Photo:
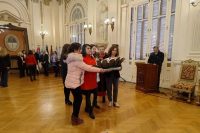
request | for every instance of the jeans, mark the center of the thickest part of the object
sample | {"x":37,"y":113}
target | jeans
{"x":112,"y":88}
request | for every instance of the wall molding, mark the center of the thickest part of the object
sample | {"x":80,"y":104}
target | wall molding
{"x":19,"y":8}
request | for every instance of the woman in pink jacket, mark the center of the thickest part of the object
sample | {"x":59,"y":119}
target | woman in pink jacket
{"x":75,"y":78}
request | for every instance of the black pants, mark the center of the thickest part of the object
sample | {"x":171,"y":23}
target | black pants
{"x":46,"y":69}
{"x":26,"y":69}
{"x":77,"y":101}
{"x":66,"y":90}
{"x":4,"y":77}
{"x":95,"y":93}
{"x":22,"y":71}
{"x":56,"y":70}
{"x":89,"y":105}
{"x":32,"y":71}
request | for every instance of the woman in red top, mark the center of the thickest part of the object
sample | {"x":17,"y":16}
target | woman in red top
{"x":90,"y":79}
{"x":31,"y":64}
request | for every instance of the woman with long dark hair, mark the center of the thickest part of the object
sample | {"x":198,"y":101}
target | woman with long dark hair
{"x":64,"y":72}
{"x":90,"y":80}
{"x":75,"y":78}
{"x":112,"y":78}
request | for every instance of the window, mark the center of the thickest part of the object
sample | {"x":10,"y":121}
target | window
{"x":141,"y":32}
{"x":149,"y":28}
{"x":131,"y":35}
{"x":158,"y":24}
{"x":77,"y":33}
{"x":171,"y":30}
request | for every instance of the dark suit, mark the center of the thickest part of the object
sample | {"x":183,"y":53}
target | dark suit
{"x":21,"y":66}
{"x":46,"y":64}
{"x":4,"y":67}
{"x":158,"y":60}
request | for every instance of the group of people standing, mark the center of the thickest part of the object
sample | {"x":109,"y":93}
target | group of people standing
{"x":80,"y":77}
{"x":28,"y":63}
{"x":32,"y":63}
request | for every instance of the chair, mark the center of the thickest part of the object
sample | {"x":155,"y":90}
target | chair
{"x":198,"y":94}
{"x":187,"y":79}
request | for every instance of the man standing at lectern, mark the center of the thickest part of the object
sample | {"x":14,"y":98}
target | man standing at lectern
{"x":157,"y":57}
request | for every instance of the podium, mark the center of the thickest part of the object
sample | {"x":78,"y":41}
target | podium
{"x":147,"y":77}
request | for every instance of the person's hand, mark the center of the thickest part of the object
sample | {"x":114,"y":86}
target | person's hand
{"x":122,"y":59}
{"x":120,"y":69}
{"x":104,"y":70}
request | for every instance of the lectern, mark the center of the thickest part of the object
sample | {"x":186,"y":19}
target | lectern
{"x":147,"y":77}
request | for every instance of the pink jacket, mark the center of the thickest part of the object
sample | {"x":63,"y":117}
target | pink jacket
{"x":76,"y":69}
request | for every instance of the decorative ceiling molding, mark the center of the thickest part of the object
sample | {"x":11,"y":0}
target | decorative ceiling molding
{"x":47,"y":2}
{"x":59,"y":2}
{"x":16,"y":10}
{"x":67,"y":1}
{"x":26,"y":3}
{"x":9,"y":17}
{"x":36,"y":1}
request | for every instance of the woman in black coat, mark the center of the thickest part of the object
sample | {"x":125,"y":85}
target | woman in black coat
{"x":64,"y":72}
{"x":4,"y":67}
{"x":20,"y":62}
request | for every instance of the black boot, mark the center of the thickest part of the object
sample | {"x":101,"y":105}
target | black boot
{"x":103,"y":99}
{"x":96,"y":106}
{"x":68,"y":102}
{"x":91,"y":115}
{"x":76,"y":121}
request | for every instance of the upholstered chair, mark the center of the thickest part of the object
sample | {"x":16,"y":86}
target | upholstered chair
{"x":187,"y":79}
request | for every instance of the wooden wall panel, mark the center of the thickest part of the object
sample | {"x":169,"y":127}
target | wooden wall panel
{"x":19,"y":35}
{"x":22,"y":37}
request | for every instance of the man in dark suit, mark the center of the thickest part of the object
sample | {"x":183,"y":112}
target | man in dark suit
{"x":157,"y":57}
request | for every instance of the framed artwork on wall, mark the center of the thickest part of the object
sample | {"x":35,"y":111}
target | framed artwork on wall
{"x":11,"y":42}
{"x":14,"y":39}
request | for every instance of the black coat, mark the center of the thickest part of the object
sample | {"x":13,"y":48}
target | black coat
{"x":114,"y":73}
{"x":63,"y":66}
{"x":5,"y":61}
{"x":46,"y":59}
{"x":19,"y":62}
{"x":156,"y":58}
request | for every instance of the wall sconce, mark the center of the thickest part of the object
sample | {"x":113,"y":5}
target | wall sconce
{"x":194,"y":2}
{"x":89,"y":27}
{"x":110,"y":22}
